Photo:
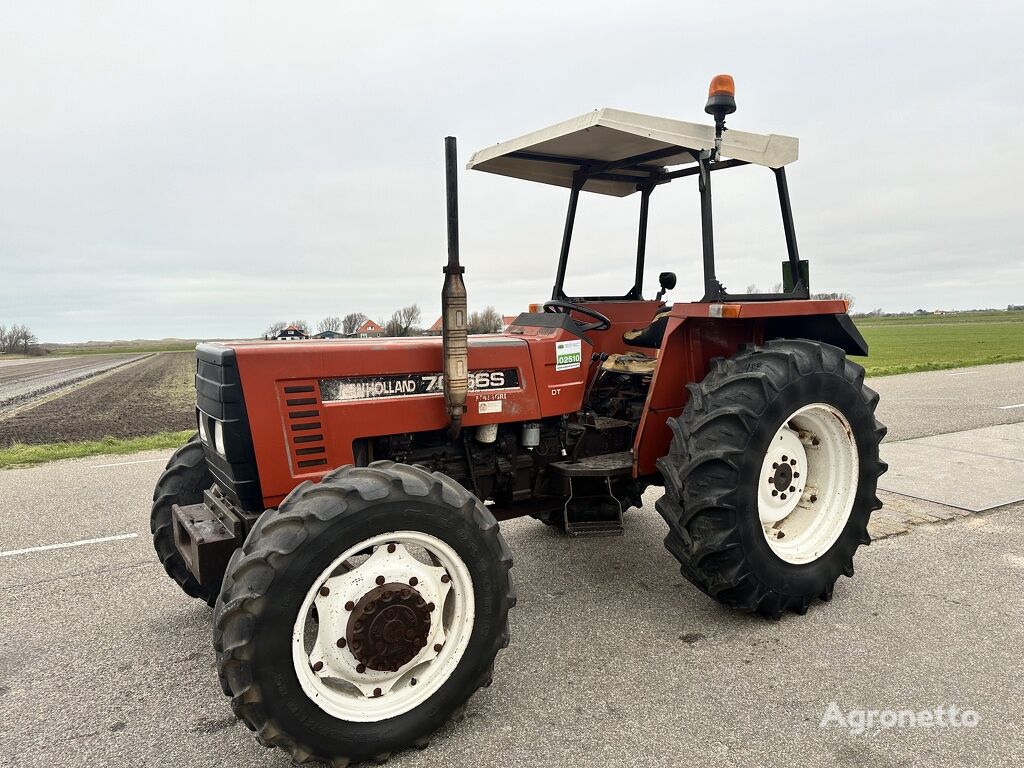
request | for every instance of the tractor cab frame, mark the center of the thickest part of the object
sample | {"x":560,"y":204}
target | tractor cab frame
{"x":619,"y":153}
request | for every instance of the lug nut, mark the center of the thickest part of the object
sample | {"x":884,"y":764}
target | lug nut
{"x":785,"y":458}
{"x":793,"y":462}
{"x":324,"y":591}
{"x":430,"y":606}
{"x":813,"y":498}
{"x":791,"y":489}
{"x":437,"y":647}
{"x":380,"y":580}
{"x":445,"y":579}
{"x":391,"y":547}
{"x":796,"y":474}
{"x":341,"y":642}
{"x":783,"y":497}
{"x":412,"y":681}
{"x":775,"y":465}
{"x":413,"y":581}
{"x":318,"y":666}
{"x":376,"y":692}
{"x":361,"y":668}
{"x":775,"y":493}
{"x":349,"y":605}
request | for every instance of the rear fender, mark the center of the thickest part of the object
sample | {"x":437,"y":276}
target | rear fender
{"x":697,"y":333}
{"x":835,"y":329}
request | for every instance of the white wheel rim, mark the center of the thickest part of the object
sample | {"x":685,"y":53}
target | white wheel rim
{"x":808,"y":483}
{"x":328,"y":670}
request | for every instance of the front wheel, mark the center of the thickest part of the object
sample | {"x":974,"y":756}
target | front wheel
{"x":771,"y":477}
{"x":362,"y":613}
{"x":183,"y":482}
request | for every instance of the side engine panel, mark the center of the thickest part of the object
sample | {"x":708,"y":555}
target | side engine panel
{"x":311,"y":405}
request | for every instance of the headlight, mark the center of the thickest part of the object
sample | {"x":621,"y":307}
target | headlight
{"x":218,"y":437}
{"x":202,"y":428}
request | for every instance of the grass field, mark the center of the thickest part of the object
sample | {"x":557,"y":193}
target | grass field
{"x":120,"y":347}
{"x":935,"y":342}
{"x":19,"y":455}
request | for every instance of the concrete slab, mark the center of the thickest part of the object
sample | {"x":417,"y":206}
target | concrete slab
{"x":1004,"y":442}
{"x":976,"y":469}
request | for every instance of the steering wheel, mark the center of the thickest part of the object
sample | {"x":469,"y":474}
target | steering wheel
{"x":565,"y":307}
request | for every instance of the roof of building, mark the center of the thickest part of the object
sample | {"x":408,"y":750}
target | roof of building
{"x":368,"y":325}
{"x":438,"y":324}
{"x":553,"y":154}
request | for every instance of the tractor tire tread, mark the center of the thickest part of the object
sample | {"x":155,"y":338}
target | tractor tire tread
{"x":702,"y":466}
{"x":303,"y":513}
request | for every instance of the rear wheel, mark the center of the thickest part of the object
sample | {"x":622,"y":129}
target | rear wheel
{"x":183,"y":482}
{"x":365,"y":611}
{"x":771,"y":477}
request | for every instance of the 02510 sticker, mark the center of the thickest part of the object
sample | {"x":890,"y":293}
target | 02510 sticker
{"x":568,"y":354}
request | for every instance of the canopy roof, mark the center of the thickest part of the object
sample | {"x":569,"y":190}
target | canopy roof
{"x":624,"y":144}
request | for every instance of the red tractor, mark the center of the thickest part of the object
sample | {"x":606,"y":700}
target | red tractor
{"x":338,"y":506}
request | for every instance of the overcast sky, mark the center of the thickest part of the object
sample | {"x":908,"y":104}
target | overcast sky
{"x":203,"y":169}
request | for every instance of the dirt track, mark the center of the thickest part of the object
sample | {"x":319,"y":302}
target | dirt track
{"x":154,"y":395}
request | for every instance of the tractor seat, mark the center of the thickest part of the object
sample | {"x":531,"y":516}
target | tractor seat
{"x":649,"y":337}
{"x":630,"y":362}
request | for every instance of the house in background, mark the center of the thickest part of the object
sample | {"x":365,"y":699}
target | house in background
{"x":507,"y":320}
{"x":291,"y":333}
{"x":435,"y":329}
{"x":329,"y":335}
{"x":368,"y":330}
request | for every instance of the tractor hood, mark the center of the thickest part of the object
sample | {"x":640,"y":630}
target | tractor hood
{"x":313,"y":401}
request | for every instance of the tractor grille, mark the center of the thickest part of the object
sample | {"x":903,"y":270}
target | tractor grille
{"x":304,"y":425}
{"x":219,"y":396}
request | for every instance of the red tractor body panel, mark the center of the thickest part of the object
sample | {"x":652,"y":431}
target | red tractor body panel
{"x":697,"y":333}
{"x":379,"y":387}
{"x":299,"y":435}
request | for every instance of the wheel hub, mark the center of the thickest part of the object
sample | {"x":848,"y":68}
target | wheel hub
{"x":388,"y":627}
{"x":783,"y":477}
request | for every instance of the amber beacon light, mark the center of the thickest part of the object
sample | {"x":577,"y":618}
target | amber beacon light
{"x":721,"y":102}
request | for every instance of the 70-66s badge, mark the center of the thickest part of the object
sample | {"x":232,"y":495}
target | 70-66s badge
{"x":351,"y":388}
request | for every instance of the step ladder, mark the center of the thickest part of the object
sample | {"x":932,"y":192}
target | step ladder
{"x":590,"y":484}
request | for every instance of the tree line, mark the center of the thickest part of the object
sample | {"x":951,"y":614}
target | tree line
{"x":406,"y":321}
{"x":18,"y":339}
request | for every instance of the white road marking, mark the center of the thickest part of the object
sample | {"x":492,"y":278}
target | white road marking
{"x":65,"y":545}
{"x":962,"y":373}
{"x":1008,"y":407}
{"x":126,"y":463}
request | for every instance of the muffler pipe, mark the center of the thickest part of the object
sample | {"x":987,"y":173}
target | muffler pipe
{"x":454,"y":330}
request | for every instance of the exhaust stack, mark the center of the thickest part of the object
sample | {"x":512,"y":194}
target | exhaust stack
{"x":454,"y":330}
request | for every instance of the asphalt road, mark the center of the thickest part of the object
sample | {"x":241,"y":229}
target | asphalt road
{"x":615,"y":659}
{"x":937,"y":402}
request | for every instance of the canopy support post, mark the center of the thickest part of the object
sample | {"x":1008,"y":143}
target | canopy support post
{"x":637,"y":291}
{"x":579,"y":178}
{"x":712,"y":288}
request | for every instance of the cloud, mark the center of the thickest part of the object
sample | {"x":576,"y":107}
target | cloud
{"x":201,"y":172}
